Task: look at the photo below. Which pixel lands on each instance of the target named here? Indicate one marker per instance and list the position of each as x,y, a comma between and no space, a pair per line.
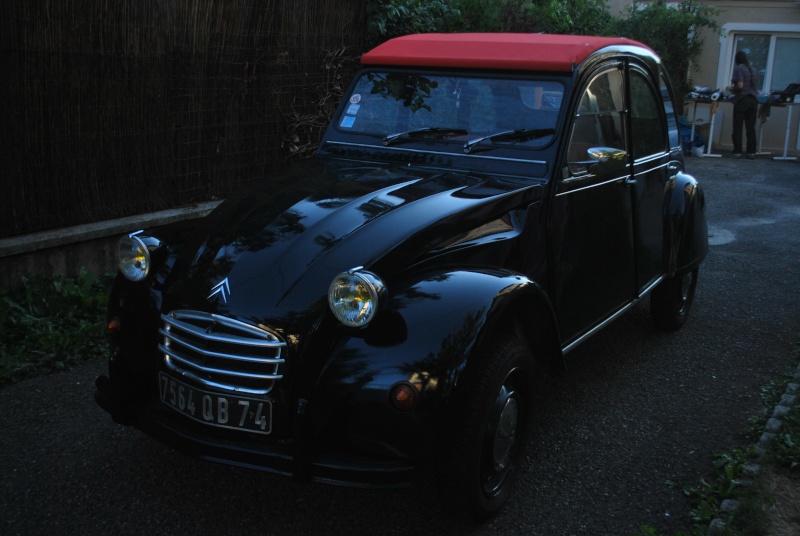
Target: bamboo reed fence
115,108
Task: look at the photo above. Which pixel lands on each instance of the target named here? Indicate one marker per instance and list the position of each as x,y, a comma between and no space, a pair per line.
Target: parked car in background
479,206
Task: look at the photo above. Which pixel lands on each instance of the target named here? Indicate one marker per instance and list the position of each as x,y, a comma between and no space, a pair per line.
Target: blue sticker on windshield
347,121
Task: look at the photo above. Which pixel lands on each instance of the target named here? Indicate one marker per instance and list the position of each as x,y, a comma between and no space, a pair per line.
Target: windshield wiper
434,132
520,134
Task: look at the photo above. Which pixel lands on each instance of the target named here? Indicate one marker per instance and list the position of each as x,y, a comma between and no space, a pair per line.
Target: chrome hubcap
505,437
686,284
503,434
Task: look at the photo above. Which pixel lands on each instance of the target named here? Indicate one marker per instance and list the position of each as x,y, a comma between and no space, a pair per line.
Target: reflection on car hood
274,249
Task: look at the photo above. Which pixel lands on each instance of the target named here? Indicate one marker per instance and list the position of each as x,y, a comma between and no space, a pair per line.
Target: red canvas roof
540,52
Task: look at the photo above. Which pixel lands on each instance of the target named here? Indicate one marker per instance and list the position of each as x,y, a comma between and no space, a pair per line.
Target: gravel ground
637,409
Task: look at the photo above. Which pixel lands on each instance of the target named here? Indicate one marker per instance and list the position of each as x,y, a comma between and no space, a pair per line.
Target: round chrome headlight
133,258
353,297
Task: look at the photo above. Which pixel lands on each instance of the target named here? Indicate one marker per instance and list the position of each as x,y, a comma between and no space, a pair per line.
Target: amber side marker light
113,325
402,396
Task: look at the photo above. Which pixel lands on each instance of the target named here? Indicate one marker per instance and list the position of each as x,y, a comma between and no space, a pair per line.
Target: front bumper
297,457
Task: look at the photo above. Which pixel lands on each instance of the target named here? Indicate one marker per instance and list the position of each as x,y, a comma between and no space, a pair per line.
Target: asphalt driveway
637,409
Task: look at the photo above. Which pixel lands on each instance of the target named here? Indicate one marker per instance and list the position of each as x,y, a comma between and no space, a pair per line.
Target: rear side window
669,112
648,133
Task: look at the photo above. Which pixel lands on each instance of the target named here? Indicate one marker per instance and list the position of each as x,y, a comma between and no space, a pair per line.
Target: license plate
214,409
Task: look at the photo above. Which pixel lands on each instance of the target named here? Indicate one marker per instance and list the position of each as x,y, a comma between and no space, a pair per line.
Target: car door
651,172
591,221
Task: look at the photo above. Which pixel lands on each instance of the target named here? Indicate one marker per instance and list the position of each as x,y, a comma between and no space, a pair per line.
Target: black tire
477,471
672,299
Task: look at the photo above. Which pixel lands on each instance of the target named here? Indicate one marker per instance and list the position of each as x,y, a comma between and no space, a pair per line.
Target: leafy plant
482,15
312,109
577,17
708,494
785,449
49,324
392,18
755,513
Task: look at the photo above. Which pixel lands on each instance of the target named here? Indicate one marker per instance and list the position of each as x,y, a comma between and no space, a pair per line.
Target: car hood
272,251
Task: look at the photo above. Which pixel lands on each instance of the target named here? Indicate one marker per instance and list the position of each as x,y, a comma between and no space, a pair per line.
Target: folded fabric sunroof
510,51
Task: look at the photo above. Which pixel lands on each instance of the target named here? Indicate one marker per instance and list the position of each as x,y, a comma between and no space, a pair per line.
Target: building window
775,58
786,65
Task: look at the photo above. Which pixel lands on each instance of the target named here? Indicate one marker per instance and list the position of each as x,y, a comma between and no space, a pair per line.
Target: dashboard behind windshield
451,108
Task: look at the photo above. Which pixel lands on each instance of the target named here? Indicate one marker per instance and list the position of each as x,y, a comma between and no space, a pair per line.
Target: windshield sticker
352,111
355,98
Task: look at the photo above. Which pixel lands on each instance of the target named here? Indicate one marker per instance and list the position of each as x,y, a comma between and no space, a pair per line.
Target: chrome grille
221,352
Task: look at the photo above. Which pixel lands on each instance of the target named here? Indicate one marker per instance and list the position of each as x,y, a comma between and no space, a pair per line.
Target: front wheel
671,300
478,469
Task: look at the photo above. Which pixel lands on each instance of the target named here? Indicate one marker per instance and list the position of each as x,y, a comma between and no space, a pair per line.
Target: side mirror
600,161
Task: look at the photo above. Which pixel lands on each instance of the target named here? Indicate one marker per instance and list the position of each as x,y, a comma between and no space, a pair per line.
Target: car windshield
403,107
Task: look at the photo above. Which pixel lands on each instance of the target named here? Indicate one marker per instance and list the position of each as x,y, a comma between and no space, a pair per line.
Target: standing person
745,105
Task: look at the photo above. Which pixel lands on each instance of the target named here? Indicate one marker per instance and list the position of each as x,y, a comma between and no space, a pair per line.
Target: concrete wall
91,247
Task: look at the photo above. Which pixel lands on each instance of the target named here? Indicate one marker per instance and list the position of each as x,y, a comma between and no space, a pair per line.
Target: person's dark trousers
744,112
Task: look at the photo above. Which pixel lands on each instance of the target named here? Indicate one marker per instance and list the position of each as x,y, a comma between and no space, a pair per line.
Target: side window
669,111
647,129
599,119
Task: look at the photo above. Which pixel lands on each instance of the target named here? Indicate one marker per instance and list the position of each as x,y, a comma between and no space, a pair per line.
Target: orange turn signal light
113,325
403,396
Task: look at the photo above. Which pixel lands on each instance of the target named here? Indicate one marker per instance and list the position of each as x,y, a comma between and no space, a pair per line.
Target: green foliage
393,18
647,530
576,17
49,324
785,450
481,15
750,518
708,494
772,392
390,18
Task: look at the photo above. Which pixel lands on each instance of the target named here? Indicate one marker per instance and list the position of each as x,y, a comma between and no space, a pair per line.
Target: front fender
685,227
424,337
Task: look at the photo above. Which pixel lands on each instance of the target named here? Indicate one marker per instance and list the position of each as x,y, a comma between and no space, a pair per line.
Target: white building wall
716,62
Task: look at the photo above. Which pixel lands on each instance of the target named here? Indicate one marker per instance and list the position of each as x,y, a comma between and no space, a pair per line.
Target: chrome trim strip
572,180
598,327
221,386
263,360
607,321
189,337
650,169
173,320
588,186
645,159
651,286
211,370
464,155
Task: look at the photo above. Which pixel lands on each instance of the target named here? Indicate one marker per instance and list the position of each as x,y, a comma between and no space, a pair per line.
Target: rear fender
685,227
